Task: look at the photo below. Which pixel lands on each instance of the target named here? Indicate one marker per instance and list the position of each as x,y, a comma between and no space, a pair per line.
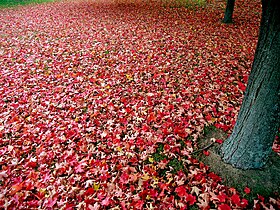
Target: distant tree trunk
259,118
229,11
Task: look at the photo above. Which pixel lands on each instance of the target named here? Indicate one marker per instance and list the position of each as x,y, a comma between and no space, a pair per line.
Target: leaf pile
101,104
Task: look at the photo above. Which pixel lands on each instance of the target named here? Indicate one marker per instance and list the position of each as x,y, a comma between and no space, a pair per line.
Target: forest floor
103,105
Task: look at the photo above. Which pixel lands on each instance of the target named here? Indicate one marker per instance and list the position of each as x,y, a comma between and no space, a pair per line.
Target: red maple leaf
224,207
191,199
69,206
235,199
89,191
181,191
222,197
124,178
206,152
219,141
247,190
244,203
241,86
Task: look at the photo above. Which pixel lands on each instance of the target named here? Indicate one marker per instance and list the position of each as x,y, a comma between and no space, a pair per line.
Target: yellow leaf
43,191
151,160
170,179
96,186
213,119
154,182
145,177
129,77
155,178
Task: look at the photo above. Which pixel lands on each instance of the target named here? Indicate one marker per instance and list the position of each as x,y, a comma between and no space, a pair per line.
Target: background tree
229,11
258,121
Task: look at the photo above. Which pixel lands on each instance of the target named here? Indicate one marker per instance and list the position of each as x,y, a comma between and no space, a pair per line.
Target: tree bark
259,118
229,11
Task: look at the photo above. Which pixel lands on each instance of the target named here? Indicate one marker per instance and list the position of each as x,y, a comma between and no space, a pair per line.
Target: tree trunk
229,11
259,118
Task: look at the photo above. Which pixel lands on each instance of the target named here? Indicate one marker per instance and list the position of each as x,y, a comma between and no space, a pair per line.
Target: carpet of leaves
101,104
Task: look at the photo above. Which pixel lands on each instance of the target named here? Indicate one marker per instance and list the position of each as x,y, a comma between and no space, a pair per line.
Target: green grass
13,3
185,3
173,166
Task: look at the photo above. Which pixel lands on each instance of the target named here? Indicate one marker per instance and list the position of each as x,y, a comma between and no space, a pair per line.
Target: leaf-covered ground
101,104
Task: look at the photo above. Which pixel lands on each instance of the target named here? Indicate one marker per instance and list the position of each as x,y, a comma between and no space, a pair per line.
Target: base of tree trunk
229,11
265,182
227,20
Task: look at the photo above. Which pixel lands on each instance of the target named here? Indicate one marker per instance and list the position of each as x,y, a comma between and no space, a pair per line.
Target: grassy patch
158,155
185,3
176,165
173,166
278,134
12,3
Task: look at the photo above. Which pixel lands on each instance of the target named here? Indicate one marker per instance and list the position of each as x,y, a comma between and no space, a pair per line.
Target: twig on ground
204,148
